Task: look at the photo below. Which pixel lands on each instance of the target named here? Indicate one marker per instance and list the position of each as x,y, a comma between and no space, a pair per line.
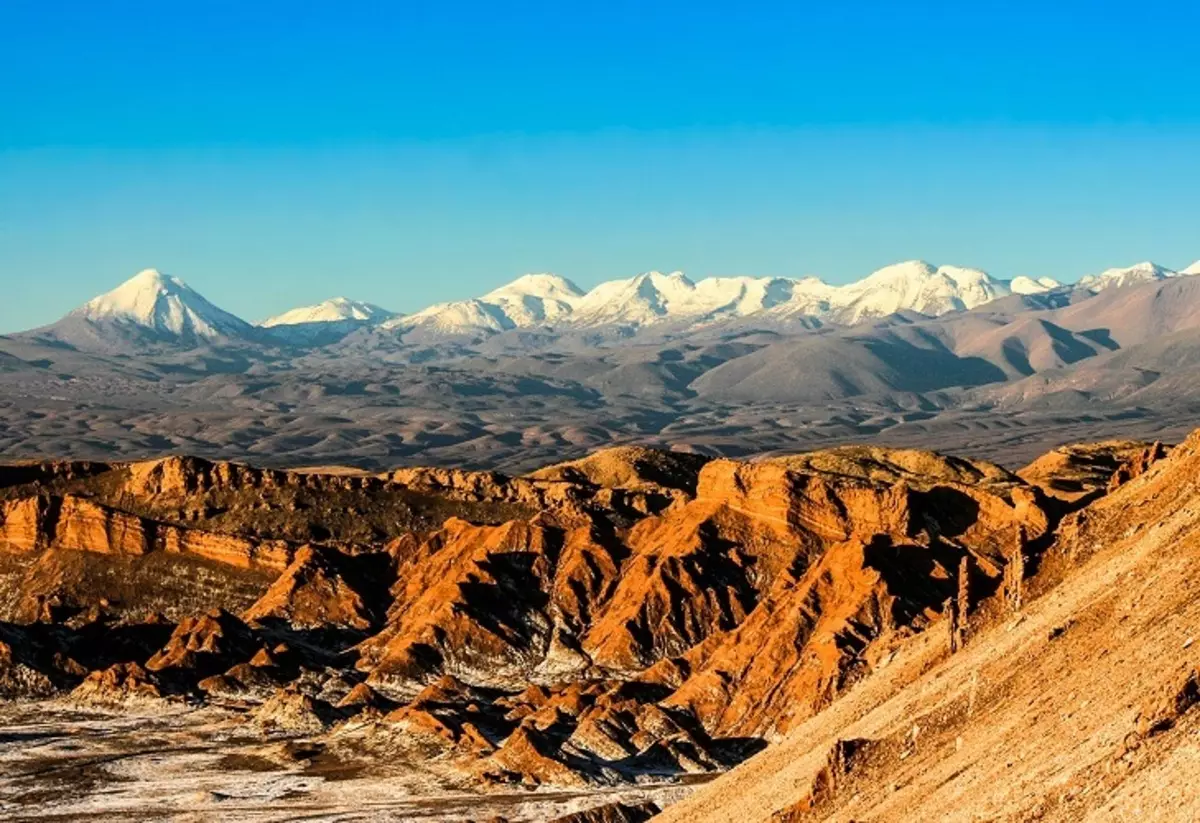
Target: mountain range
538,371
153,308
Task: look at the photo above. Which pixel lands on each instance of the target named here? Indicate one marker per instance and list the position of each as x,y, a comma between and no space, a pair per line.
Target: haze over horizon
278,156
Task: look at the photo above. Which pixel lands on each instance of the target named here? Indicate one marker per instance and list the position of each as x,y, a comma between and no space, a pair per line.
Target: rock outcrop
322,587
1079,470
630,467
74,523
122,685
204,645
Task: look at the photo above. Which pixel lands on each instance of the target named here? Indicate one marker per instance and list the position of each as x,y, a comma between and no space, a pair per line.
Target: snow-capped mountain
1031,285
164,305
150,307
325,322
530,300
535,299
458,317
656,298
1128,276
639,300
915,286
1192,269
336,310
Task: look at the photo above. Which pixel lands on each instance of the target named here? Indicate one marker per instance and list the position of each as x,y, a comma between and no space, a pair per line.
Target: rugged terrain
1078,703
449,644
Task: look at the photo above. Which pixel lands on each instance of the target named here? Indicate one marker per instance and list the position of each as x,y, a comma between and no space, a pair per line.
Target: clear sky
277,153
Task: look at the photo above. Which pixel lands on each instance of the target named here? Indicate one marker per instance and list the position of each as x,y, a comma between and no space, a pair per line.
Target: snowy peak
530,300
534,299
915,286
1022,284
639,300
336,310
1138,273
163,306
1192,269
540,286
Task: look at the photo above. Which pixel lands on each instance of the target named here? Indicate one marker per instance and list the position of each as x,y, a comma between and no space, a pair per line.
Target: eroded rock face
1078,470
75,523
731,615
318,588
1136,465
636,613
204,645
470,601
21,525
120,685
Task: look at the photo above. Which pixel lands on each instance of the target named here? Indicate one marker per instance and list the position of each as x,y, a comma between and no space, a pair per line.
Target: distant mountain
531,300
536,298
1192,269
148,309
1031,285
1139,273
337,310
325,322
712,371
916,286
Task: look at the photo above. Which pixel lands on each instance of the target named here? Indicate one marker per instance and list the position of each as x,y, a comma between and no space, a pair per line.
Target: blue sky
276,153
